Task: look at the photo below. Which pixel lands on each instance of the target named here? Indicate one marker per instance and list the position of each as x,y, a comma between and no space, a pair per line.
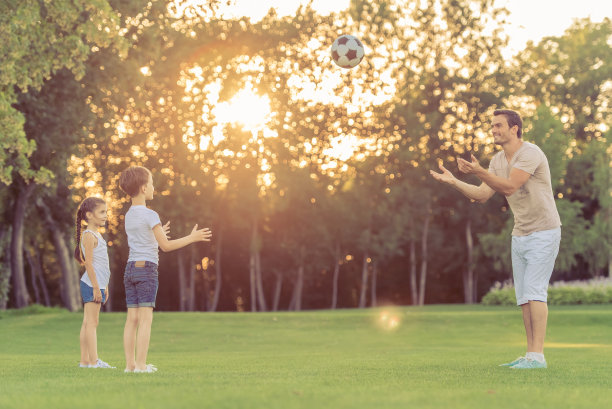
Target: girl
91,251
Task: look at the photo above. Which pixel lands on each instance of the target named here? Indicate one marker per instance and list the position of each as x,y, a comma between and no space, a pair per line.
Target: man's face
502,133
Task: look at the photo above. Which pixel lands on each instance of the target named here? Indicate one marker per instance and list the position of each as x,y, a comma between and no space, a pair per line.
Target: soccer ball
347,51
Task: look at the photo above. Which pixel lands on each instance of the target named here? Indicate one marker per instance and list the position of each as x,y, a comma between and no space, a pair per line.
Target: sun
247,108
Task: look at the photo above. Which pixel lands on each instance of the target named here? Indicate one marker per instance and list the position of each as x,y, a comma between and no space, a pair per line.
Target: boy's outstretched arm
170,245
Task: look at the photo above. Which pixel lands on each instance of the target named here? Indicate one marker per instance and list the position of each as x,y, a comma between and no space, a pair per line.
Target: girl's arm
89,243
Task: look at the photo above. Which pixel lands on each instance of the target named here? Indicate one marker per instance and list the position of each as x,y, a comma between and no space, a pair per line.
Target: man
520,172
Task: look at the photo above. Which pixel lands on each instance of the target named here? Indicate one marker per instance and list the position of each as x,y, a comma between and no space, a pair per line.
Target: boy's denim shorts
87,293
141,284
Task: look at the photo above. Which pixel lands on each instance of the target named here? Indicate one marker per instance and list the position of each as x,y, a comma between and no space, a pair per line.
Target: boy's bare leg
129,338
145,319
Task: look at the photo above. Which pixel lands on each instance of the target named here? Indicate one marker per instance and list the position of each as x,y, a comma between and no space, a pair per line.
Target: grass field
437,357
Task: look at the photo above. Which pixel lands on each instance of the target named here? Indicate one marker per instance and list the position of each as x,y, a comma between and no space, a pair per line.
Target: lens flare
388,320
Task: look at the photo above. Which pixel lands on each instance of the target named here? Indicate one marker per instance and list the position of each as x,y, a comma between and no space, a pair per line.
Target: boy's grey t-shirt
139,223
533,204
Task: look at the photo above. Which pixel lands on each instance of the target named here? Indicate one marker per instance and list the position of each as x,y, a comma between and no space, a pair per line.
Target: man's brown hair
133,178
513,118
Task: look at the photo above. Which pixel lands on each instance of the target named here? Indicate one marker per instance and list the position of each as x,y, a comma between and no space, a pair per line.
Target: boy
145,234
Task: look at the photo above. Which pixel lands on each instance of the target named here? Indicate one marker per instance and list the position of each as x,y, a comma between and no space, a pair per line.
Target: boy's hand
166,229
200,235
107,296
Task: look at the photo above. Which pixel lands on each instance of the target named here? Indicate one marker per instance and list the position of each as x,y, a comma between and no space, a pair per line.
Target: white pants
533,260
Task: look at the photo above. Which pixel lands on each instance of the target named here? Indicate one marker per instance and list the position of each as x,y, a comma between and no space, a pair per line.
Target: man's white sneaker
149,369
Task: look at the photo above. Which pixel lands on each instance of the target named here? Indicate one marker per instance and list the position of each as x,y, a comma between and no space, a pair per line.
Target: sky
528,20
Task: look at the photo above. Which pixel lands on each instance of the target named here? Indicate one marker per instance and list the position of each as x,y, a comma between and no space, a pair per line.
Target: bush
595,291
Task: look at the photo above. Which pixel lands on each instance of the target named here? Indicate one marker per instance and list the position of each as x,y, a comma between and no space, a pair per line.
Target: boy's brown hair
133,178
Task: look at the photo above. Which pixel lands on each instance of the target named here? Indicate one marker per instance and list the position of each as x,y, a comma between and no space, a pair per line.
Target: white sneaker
84,366
149,369
101,364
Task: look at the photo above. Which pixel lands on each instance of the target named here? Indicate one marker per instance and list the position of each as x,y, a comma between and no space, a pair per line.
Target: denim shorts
141,284
533,260
87,293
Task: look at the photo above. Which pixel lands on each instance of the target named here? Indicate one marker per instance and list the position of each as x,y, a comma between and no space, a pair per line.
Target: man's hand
446,176
470,168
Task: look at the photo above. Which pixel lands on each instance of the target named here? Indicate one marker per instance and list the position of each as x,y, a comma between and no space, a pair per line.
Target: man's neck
510,148
139,200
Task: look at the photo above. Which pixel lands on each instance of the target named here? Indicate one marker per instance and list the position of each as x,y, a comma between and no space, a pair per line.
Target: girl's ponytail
77,249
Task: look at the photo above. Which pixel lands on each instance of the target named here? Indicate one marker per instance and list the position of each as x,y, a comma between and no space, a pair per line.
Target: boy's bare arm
170,245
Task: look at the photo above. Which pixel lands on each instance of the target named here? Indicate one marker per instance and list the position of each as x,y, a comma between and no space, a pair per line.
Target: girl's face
98,216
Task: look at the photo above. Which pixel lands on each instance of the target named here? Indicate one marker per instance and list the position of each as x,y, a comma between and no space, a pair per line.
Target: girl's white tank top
100,261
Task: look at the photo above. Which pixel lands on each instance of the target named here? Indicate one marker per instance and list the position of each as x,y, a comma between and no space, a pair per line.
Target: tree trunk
5,270
182,279
33,275
37,263
252,282
192,274
296,298
260,292
469,284
69,284
20,290
424,258
374,274
364,280
337,260
277,291
218,254
414,291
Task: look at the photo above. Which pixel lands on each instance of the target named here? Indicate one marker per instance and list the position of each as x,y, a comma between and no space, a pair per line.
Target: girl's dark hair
87,205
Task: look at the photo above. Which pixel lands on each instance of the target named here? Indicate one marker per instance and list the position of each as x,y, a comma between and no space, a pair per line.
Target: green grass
438,357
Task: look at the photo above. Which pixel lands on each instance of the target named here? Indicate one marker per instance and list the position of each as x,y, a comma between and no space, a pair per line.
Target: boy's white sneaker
101,364
149,369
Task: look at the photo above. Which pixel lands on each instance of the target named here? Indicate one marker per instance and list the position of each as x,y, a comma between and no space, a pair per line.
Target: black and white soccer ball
347,51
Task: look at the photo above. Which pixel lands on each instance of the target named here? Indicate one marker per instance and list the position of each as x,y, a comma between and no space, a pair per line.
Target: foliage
60,34
594,291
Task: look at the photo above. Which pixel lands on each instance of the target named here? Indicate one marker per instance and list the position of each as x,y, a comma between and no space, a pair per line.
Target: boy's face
149,189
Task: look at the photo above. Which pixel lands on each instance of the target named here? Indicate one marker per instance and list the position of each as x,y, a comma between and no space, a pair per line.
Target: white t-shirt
100,261
533,204
139,223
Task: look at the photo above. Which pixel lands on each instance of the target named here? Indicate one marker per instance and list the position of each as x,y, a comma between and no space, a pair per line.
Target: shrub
594,291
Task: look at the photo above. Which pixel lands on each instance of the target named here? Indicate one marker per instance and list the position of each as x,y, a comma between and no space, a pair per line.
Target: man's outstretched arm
480,193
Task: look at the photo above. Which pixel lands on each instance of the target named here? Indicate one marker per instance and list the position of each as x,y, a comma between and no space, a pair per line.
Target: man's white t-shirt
139,223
